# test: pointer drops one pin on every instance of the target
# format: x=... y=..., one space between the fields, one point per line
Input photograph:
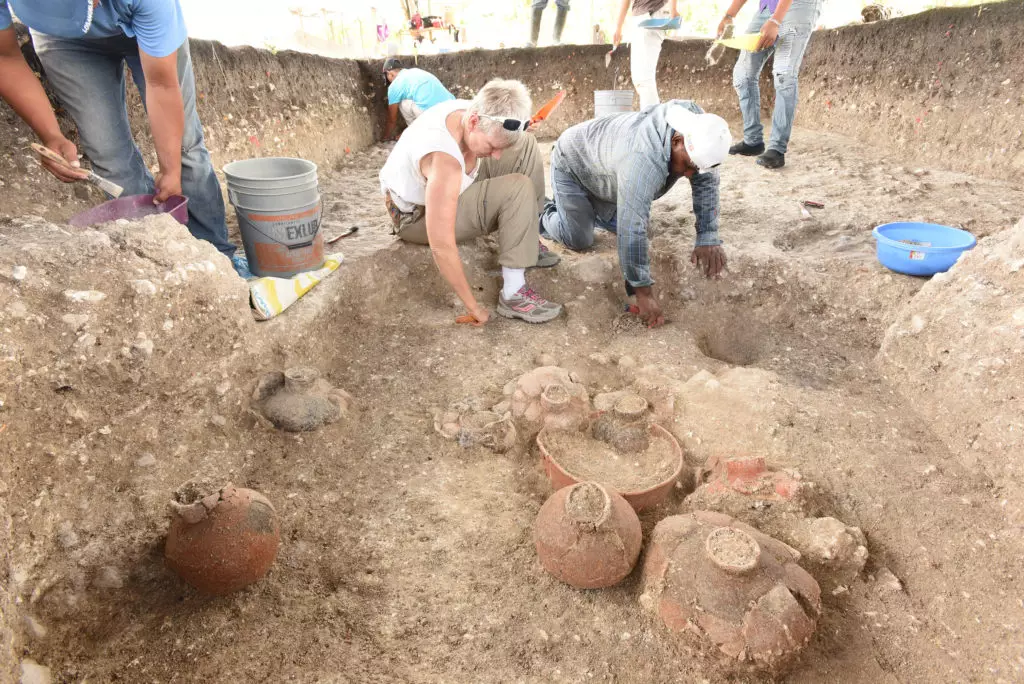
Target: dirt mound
x=960 y=341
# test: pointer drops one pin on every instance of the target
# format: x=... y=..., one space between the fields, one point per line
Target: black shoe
x=747 y=150
x=772 y=160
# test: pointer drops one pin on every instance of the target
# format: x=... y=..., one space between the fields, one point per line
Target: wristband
x=775 y=21
x=730 y=16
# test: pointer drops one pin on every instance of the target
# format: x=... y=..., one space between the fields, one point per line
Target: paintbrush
x=109 y=187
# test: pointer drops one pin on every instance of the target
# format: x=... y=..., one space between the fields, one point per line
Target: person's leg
x=561 y=13
x=644 y=52
x=569 y=218
x=505 y=205
x=524 y=157
x=536 y=15
x=206 y=213
x=410 y=110
x=88 y=78
x=745 y=77
x=789 y=54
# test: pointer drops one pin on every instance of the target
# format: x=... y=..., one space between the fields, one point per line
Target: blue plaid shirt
x=622 y=161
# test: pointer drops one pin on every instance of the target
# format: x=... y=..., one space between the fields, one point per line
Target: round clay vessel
x=298 y=400
x=224 y=541
x=587 y=536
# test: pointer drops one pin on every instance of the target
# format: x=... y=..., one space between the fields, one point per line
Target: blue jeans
x=88 y=77
x=789 y=50
x=572 y=215
x=541 y=4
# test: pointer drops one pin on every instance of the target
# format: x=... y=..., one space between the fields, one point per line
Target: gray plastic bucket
x=277 y=201
x=612 y=102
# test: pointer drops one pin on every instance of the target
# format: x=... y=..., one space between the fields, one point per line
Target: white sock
x=514 y=280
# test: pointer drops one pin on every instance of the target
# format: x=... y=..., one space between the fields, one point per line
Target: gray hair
x=504 y=99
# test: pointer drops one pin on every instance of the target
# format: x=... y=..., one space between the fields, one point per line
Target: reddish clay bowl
x=640 y=499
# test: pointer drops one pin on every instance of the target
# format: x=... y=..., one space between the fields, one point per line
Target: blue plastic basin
x=660 y=24
x=920 y=249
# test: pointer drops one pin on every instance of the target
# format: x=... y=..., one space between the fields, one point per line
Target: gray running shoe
x=528 y=306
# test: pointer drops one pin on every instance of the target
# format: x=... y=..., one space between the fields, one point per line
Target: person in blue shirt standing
x=411 y=92
x=83 y=46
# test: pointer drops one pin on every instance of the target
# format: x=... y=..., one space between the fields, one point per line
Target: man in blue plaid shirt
x=606 y=172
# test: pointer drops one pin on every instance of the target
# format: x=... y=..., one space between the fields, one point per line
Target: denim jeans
x=572 y=215
x=794 y=34
x=88 y=77
x=541 y=4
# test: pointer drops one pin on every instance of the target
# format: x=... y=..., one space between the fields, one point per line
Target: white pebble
x=108 y=578
x=146 y=461
x=34 y=628
x=917 y=324
x=90 y=296
x=143 y=348
x=34 y=673
x=144 y=288
x=168 y=325
x=19 y=273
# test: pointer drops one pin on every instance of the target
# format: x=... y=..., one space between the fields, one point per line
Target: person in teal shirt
x=411 y=92
x=84 y=46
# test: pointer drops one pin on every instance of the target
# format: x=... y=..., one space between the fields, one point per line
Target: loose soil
x=732 y=548
x=405 y=557
x=586 y=503
x=590 y=459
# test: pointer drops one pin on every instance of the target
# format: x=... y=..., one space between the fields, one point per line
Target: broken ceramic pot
x=741 y=591
x=223 y=542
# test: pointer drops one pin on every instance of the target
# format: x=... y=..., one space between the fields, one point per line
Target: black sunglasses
x=509 y=124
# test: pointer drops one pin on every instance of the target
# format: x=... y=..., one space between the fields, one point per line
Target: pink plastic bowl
x=132 y=207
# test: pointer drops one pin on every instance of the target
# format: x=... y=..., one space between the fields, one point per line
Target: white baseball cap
x=706 y=136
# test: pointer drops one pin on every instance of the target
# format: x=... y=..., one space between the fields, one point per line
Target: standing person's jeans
x=541 y=4
x=644 y=52
x=794 y=34
x=88 y=77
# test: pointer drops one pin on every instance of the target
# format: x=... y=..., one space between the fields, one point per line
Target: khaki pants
x=506 y=197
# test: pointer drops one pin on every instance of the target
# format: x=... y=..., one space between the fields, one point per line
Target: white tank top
x=428 y=133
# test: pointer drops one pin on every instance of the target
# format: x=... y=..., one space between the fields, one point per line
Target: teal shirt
x=417 y=85
x=157 y=25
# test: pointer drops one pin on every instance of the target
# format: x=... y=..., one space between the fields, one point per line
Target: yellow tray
x=747 y=41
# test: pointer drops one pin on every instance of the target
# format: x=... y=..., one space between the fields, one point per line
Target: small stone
x=108 y=578
x=1018 y=317
x=919 y=172
x=888 y=582
x=223 y=388
x=19 y=273
x=143 y=348
x=917 y=324
x=89 y=296
x=75 y=321
x=66 y=536
x=34 y=628
x=105 y=430
x=930 y=470
x=594 y=269
x=85 y=341
x=17 y=309
x=502 y=408
x=545 y=360
x=34 y=673
x=143 y=288
x=146 y=461
x=219 y=421
x=600 y=358
x=627 y=362
x=168 y=325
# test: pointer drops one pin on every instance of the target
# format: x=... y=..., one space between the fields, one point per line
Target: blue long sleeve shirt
x=622 y=161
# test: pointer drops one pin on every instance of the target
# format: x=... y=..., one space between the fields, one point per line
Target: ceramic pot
x=299 y=400
x=587 y=536
x=223 y=542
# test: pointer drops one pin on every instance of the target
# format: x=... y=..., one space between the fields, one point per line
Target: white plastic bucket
x=612 y=102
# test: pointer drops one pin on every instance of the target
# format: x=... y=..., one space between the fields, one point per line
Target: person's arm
x=20 y=88
x=673 y=9
x=770 y=30
x=638 y=184
x=707 y=254
x=166 y=119
x=389 y=126
x=620 y=19
x=730 y=14
x=444 y=179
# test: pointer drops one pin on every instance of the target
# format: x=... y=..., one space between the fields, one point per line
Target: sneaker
x=528 y=306
x=746 y=150
x=545 y=257
x=241 y=265
x=772 y=160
